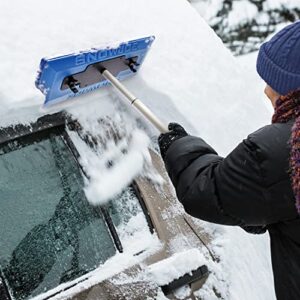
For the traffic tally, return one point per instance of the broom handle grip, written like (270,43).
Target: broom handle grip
(135,101)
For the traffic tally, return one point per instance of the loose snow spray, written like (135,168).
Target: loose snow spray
(128,164)
(115,151)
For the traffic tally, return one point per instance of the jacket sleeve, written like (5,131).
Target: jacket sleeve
(226,191)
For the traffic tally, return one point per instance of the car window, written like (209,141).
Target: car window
(129,218)
(49,234)
(122,209)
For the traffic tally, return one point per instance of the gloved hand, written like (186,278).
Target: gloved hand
(166,139)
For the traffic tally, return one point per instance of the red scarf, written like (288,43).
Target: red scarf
(288,108)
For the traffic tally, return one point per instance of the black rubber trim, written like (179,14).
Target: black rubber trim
(4,293)
(143,205)
(46,122)
(68,142)
(112,228)
(21,142)
(196,275)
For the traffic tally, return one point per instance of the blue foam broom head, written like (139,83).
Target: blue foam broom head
(68,76)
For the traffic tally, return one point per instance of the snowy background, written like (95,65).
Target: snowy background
(244,24)
(189,76)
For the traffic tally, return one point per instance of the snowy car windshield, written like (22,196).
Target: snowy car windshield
(49,233)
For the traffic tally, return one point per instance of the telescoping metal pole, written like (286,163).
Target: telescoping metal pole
(135,101)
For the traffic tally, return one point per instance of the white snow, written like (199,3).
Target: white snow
(242,11)
(207,9)
(107,182)
(277,4)
(188,77)
(120,155)
(176,266)
(183,292)
(180,77)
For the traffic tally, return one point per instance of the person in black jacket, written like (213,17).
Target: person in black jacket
(257,186)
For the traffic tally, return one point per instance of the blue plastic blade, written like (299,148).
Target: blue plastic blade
(53,78)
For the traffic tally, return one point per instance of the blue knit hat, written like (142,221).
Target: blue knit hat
(278,61)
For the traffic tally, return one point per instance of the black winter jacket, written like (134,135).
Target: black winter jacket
(250,187)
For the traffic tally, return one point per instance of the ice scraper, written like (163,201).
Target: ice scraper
(68,76)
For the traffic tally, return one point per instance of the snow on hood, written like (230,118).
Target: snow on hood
(187,77)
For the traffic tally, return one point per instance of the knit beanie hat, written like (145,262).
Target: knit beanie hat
(278,61)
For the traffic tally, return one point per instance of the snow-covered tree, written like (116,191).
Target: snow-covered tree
(244,24)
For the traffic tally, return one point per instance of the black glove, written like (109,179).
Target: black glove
(166,139)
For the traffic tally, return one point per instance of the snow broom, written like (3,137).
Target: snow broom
(68,76)
(65,77)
